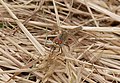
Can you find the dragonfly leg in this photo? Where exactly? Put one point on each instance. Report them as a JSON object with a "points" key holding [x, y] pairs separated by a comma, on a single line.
{"points": [[53, 49], [67, 46], [60, 50]]}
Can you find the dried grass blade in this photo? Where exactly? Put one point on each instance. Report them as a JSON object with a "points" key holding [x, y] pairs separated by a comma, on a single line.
{"points": [[27, 33]]}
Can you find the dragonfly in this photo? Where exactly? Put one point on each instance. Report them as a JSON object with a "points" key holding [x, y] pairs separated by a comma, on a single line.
{"points": [[60, 40], [63, 36]]}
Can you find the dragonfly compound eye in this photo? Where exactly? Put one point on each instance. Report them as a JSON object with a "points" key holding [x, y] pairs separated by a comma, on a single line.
{"points": [[57, 40]]}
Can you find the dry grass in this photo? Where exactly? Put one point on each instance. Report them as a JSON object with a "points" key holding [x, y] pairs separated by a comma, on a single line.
{"points": [[88, 50]]}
